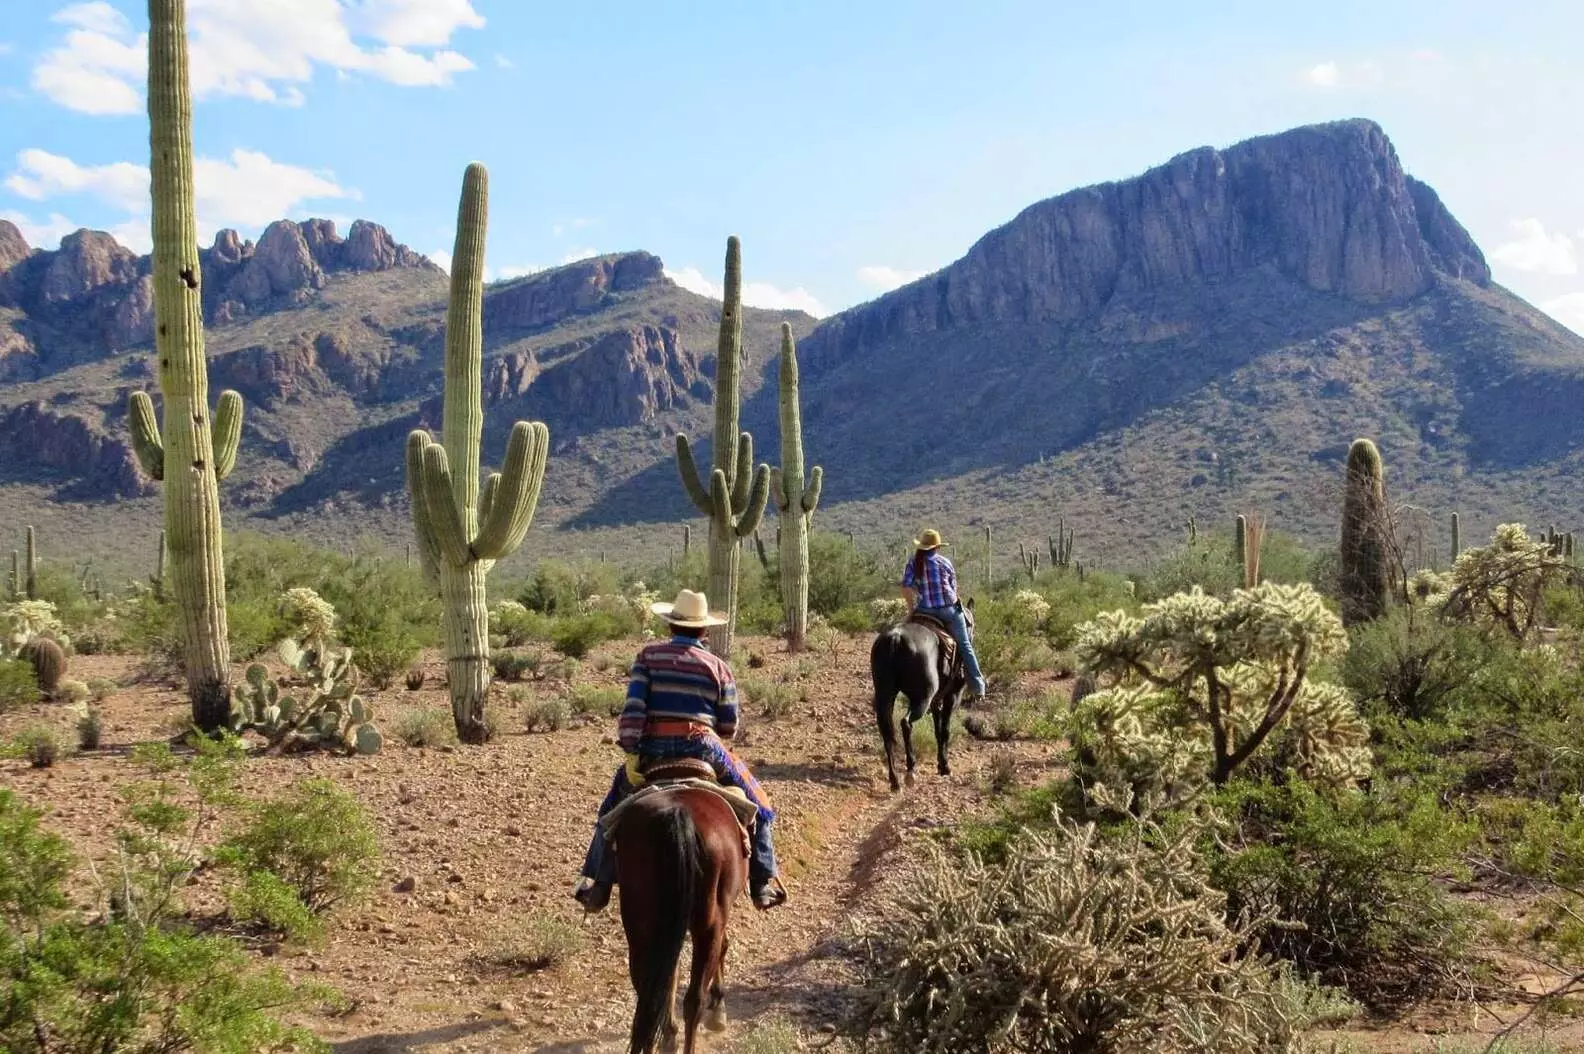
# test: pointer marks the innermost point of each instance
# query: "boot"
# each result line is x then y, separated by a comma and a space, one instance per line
594, 896
767, 893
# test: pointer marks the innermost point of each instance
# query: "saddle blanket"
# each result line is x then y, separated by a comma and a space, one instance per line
746, 811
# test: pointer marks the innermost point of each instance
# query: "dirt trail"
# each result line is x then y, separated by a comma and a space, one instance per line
482, 844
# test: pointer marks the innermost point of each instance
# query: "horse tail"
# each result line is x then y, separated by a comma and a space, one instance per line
675, 884
881, 666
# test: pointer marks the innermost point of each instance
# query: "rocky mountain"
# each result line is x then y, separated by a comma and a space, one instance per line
1199, 340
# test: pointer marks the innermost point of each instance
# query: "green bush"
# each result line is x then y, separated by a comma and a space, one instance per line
381, 652
549, 715
598, 701
1206, 563
255, 626
774, 698
576, 635
1349, 882
425, 728
40, 745
18, 686
1411, 663
559, 588
132, 977
543, 944
90, 728
316, 841
517, 666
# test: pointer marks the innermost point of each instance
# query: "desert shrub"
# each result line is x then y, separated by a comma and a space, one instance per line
775, 699
415, 678
40, 745
576, 635
18, 686
1077, 940
255, 625
72, 691
590, 700
131, 977
425, 728
101, 688
382, 652
517, 666
315, 841
1537, 848
1349, 882
1003, 773
771, 1034
559, 588
516, 625
90, 728
543, 944
1205, 563
853, 618
1411, 663
549, 715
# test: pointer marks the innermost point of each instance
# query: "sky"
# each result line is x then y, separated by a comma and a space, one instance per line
851, 146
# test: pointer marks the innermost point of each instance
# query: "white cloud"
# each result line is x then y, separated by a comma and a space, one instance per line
1568, 310
441, 258
884, 278
754, 294
41, 234
505, 63
259, 51
247, 190
1325, 75
578, 254
5, 48
1534, 250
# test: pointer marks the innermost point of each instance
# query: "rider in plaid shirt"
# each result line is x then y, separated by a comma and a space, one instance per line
930, 583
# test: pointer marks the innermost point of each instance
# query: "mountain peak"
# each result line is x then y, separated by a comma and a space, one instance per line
13, 246
1326, 206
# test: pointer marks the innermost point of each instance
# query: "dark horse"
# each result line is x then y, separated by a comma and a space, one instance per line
680, 863
908, 658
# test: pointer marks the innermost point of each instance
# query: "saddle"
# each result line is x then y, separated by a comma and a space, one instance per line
948, 642
664, 774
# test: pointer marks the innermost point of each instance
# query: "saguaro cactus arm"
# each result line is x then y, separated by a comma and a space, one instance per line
445, 520
691, 479
428, 549
811, 494
741, 481
749, 518
515, 494
227, 432
145, 435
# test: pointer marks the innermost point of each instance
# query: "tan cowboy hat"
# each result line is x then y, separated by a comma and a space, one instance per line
929, 539
690, 609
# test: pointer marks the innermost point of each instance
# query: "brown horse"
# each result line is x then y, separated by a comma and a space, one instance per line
680, 863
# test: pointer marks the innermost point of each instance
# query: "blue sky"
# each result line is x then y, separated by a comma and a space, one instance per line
851, 145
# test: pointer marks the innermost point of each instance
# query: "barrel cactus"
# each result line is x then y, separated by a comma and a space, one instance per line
795, 501
734, 493
1364, 572
48, 660
195, 449
462, 527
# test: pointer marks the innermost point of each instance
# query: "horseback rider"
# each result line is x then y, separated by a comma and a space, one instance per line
681, 703
929, 584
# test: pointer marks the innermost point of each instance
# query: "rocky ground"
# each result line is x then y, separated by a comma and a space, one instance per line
482, 846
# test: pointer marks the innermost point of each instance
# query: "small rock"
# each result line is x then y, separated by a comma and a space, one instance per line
406, 885
506, 1006
512, 830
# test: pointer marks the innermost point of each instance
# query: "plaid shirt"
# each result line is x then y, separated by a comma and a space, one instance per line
939, 586
677, 680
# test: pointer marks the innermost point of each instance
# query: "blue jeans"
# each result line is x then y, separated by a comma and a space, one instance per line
953, 618
600, 865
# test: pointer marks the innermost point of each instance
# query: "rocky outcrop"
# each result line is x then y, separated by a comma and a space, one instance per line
544, 299
1328, 206
86, 262
40, 435
283, 265
267, 376
13, 247
370, 247
624, 377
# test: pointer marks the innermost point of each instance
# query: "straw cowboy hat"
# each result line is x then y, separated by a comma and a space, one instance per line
929, 539
690, 609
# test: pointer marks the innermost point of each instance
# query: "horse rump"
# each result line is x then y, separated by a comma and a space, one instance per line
665, 834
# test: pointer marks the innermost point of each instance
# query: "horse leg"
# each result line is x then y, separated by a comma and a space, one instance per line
669, 1030
715, 1010
943, 718
885, 706
907, 741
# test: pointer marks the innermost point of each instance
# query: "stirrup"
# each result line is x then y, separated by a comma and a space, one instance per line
771, 894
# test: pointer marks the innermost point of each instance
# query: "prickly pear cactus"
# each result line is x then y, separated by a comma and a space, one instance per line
321, 710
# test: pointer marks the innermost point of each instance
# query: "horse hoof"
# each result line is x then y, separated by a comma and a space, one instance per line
669, 1045
945, 770
910, 779
715, 1019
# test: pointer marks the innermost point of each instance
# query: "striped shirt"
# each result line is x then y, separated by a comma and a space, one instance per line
939, 586
678, 680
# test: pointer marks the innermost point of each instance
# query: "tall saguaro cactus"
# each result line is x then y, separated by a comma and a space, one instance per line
733, 495
795, 502
1364, 570
193, 451
462, 527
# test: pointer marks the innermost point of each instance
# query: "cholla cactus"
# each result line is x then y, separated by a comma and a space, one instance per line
1031, 605
1500, 584
1219, 679
313, 617
886, 612
26, 619
1111, 943
1429, 589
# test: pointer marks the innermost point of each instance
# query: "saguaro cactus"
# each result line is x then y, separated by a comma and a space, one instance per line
1364, 576
32, 564
193, 451
1240, 542
1457, 537
795, 502
733, 495
463, 528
